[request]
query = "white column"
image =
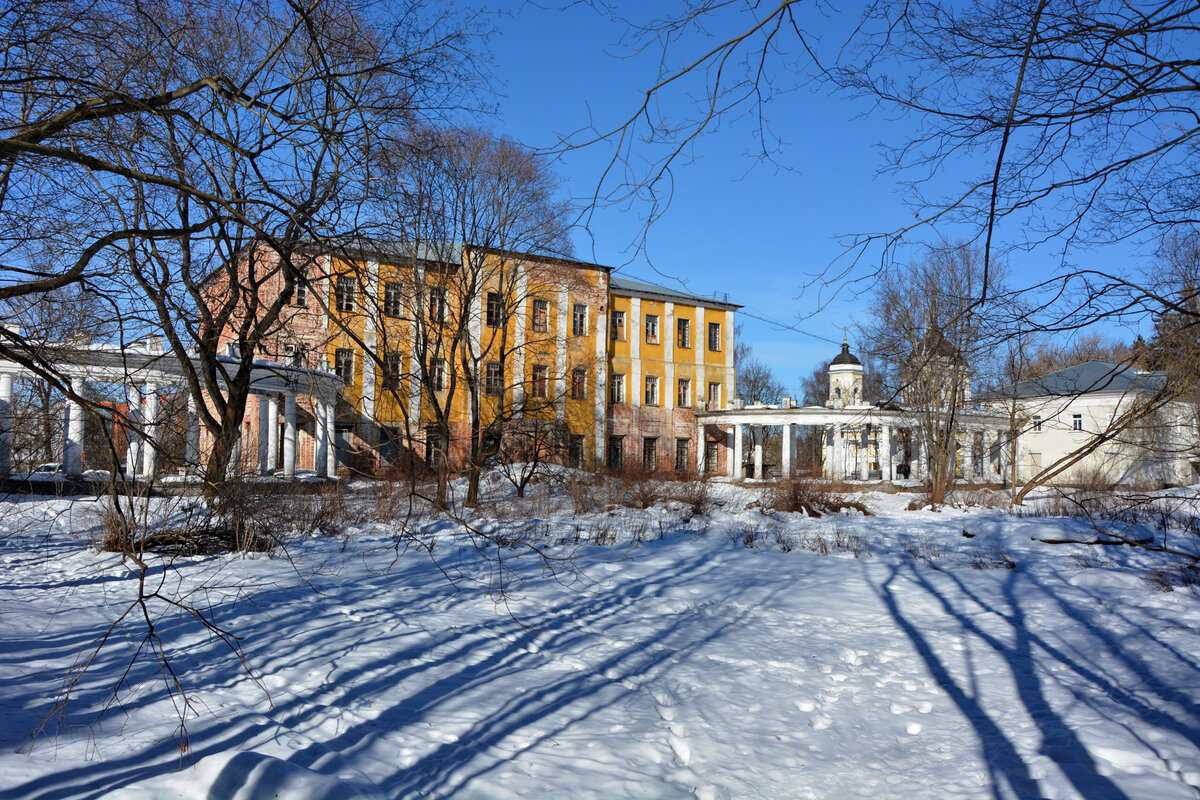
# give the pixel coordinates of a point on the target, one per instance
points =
(261, 439)
(191, 454)
(968, 456)
(150, 423)
(272, 433)
(518, 353)
(331, 439)
(758, 460)
(320, 439)
(635, 333)
(700, 448)
(786, 453)
(289, 435)
(234, 468)
(561, 380)
(666, 335)
(133, 433)
(6, 417)
(885, 454)
(922, 455)
(736, 470)
(699, 345)
(601, 393)
(839, 453)
(73, 433)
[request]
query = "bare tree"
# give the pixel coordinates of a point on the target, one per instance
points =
(927, 329)
(484, 209)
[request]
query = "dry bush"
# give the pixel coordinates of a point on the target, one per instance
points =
(983, 498)
(584, 491)
(694, 494)
(1167, 579)
(814, 498)
(245, 517)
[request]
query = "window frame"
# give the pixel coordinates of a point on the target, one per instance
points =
(650, 453)
(652, 328)
(393, 299)
(683, 334)
(683, 393)
(1077, 423)
(345, 294)
(494, 312)
(300, 289)
(343, 357)
(1037, 423)
(437, 305)
(437, 374)
(493, 378)
(652, 395)
(714, 337)
(539, 318)
(616, 388)
(682, 449)
(616, 326)
(579, 319)
(717, 388)
(392, 369)
(579, 383)
(539, 384)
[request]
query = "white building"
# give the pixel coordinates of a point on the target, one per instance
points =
(1104, 421)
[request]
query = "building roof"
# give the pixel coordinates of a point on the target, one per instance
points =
(623, 285)
(845, 357)
(1091, 376)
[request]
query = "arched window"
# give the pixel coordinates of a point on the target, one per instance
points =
(854, 397)
(837, 393)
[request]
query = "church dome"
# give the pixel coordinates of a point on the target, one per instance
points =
(845, 357)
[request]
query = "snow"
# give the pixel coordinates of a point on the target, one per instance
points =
(685, 665)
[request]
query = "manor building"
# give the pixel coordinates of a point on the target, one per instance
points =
(612, 370)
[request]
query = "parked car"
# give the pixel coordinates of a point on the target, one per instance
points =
(52, 466)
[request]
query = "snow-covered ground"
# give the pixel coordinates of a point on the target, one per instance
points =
(691, 665)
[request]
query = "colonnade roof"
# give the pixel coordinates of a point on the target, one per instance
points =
(972, 419)
(147, 365)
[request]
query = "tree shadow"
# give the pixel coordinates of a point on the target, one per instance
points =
(1034, 662)
(410, 672)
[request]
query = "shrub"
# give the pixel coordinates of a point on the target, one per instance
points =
(814, 498)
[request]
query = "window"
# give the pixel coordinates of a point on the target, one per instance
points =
(343, 364)
(652, 329)
(616, 389)
(683, 333)
(1035, 460)
(437, 374)
(579, 317)
(710, 457)
(684, 398)
(1037, 423)
(540, 379)
(649, 454)
(393, 299)
(579, 384)
(714, 396)
(714, 336)
(343, 293)
(614, 456)
(295, 355)
(541, 316)
(300, 288)
(391, 370)
(575, 451)
(493, 378)
(1077, 422)
(651, 390)
(681, 455)
(437, 305)
(495, 310)
(617, 326)
(433, 447)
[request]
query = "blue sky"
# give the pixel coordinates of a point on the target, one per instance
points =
(756, 233)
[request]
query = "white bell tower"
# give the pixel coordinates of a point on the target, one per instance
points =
(845, 380)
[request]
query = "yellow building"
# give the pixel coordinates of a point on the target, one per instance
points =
(560, 355)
